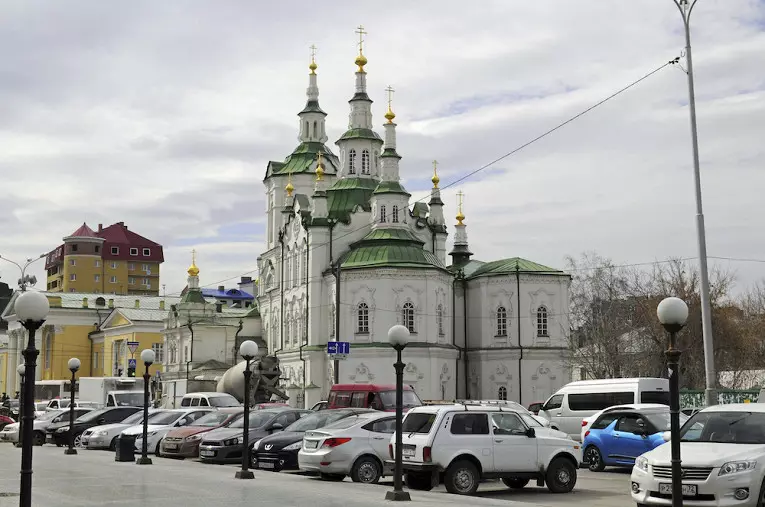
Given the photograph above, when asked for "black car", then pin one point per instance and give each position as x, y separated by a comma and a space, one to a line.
225, 445
58, 433
280, 452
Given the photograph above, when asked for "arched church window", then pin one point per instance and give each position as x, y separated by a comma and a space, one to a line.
307, 132
542, 321
440, 319
365, 162
383, 217
296, 267
395, 214
501, 321
407, 316
352, 161
315, 130
332, 320
362, 318
502, 393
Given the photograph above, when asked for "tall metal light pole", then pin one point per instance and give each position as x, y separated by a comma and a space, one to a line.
398, 336
25, 278
21, 370
673, 314
31, 309
248, 350
74, 365
710, 393
147, 356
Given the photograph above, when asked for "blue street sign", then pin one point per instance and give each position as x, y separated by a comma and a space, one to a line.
131, 363
338, 348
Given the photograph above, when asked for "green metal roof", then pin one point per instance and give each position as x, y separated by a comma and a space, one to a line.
391, 187
360, 134
420, 209
391, 234
390, 152
513, 265
303, 159
346, 194
193, 296
312, 106
392, 254
468, 269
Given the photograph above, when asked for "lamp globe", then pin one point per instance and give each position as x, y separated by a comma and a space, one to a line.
21, 370
148, 356
398, 336
73, 364
672, 312
248, 349
32, 306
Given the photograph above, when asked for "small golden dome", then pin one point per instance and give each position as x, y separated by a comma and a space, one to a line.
389, 115
460, 217
319, 172
193, 270
435, 179
313, 67
289, 188
361, 60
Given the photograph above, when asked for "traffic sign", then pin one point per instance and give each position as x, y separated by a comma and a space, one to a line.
131, 363
338, 348
133, 346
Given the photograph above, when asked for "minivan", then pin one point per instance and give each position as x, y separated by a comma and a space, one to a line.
374, 396
216, 400
571, 404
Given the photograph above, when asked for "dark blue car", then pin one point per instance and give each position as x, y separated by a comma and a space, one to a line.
617, 438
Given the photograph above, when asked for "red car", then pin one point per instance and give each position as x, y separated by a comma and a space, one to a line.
5, 420
184, 442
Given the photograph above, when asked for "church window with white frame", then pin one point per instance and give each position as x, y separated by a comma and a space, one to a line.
407, 316
542, 321
395, 214
352, 161
440, 319
365, 162
362, 318
332, 320
295, 266
502, 393
383, 217
501, 321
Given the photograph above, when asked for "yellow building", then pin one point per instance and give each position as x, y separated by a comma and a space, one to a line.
111, 260
111, 352
4, 368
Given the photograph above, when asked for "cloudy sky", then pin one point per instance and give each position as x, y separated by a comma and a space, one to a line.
164, 114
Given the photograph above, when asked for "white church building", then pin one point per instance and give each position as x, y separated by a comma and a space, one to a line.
348, 256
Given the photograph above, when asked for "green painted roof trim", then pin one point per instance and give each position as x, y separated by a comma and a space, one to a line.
303, 159
420, 209
390, 187
390, 234
361, 96
514, 265
193, 296
348, 193
392, 247
312, 106
390, 152
360, 134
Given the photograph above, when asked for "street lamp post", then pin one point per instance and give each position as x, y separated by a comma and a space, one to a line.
147, 356
673, 314
74, 365
21, 370
398, 336
710, 393
31, 309
248, 350
25, 278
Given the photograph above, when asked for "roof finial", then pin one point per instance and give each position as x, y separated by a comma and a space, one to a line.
313, 65
460, 216
289, 188
435, 179
389, 115
361, 60
319, 167
193, 269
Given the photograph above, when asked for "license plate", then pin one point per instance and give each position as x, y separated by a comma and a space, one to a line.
49, 438
207, 453
407, 451
265, 464
173, 447
688, 489
311, 444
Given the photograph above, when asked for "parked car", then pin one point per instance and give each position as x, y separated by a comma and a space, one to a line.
5, 420
161, 425
11, 432
722, 448
184, 442
356, 445
60, 403
375, 396
510, 404
58, 432
105, 436
469, 443
618, 437
212, 399
226, 445
321, 405
280, 452
90, 420
587, 421
535, 407
269, 404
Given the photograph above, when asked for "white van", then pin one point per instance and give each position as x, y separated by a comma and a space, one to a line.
574, 402
216, 400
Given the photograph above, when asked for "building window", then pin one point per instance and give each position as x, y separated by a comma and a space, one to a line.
97, 278
315, 129
407, 316
501, 321
133, 251
332, 320
73, 277
98, 264
115, 250
146, 268
131, 267
131, 280
295, 267
146, 252
186, 353
114, 265
72, 262
502, 393
98, 248
542, 321
95, 359
395, 214
352, 161
365, 162
440, 319
74, 248
363, 319
48, 350
159, 352
73, 290
113, 279
383, 217
147, 282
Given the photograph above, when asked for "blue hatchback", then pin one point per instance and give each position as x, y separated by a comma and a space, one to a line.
617, 438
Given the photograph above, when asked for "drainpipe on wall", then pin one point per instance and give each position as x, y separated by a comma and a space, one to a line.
520, 344
191, 348
454, 341
281, 294
465, 326
236, 337
307, 314
337, 317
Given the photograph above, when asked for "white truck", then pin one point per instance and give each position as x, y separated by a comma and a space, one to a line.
112, 391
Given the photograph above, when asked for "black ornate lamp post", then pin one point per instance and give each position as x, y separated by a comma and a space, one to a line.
21, 370
398, 336
248, 350
31, 310
74, 365
673, 314
147, 356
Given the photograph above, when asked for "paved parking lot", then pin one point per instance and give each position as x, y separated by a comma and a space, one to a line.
93, 478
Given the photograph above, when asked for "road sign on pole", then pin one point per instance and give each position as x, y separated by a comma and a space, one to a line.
131, 363
338, 350
132, 347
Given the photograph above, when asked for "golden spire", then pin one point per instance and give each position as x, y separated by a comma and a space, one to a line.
289, 188
390, 115
435, 179
313, 65
193, 269
361, 60
460, 216
319, 168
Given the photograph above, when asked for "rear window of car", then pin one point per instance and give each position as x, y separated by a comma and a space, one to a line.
418, 422
604, 421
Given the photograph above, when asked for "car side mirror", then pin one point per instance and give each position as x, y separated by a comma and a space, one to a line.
531, 433
666, 436
276, 427
102, 420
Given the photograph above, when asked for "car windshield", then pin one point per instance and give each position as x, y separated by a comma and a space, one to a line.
92, 416
41, 406
134, 399
47, 416
223, 401
530, 421
661, 420
136, 418
212, 420
317, 420
725, 427
163, 418
409, 399
257, 419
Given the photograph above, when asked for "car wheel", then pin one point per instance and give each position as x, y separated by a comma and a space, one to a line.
113, 444
515, 483
594, 459
761, 501
156, 451
38, 438
366, 470
561, 476
462, 478
332, 477
420, 482
78, 440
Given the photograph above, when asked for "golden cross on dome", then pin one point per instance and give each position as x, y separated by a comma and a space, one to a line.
460, 216
390, 92
193, 256
362, 33
313, 52
435, 179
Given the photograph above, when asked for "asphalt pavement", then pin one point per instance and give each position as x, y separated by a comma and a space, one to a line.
93, 478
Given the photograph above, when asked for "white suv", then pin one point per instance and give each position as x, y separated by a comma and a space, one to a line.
460, 445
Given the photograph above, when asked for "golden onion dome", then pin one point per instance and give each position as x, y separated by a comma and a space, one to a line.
389, 115
435, 179
460, 217
361, 60
319, 171
313, 67
193, 270
289, 188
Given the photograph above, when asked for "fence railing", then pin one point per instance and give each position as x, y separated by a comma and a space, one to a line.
695, 398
